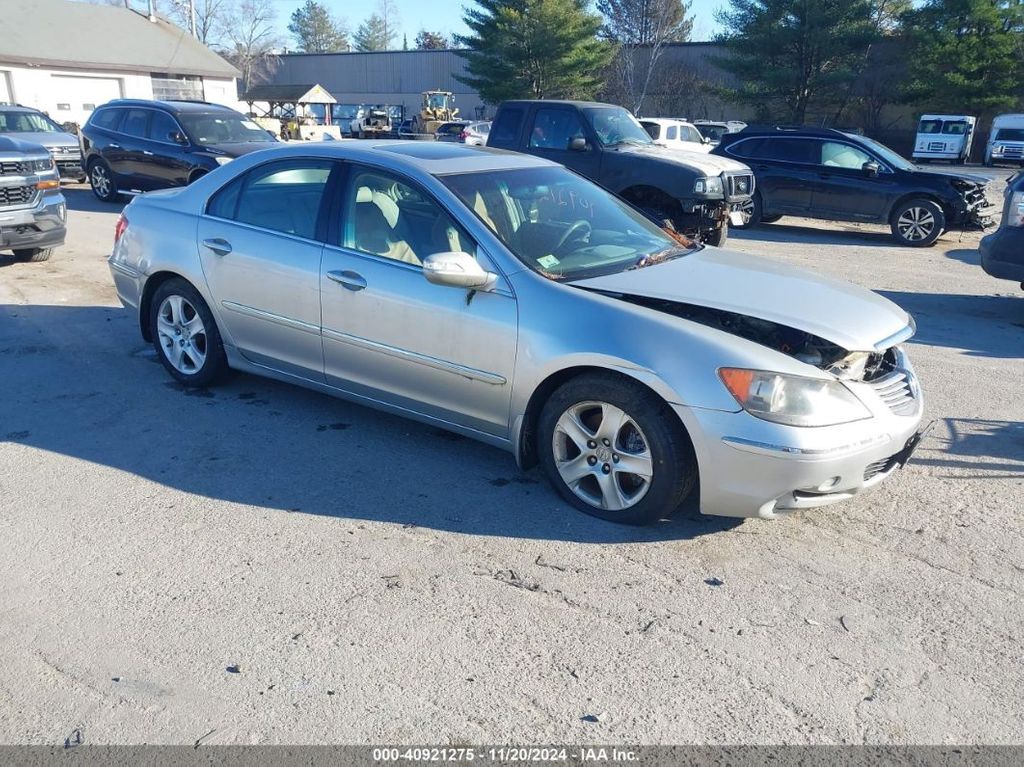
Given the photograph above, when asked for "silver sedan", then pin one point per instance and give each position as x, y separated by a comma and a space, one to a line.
505, 298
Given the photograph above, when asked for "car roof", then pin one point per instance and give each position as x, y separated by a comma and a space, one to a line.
170, 106
560, 102
18, 108
430, 157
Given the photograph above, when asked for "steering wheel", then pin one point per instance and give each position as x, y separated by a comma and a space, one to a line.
579, 230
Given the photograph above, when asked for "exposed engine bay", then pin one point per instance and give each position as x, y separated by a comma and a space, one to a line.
799, 344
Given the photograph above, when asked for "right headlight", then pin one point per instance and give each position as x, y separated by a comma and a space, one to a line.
792, 400
708, 185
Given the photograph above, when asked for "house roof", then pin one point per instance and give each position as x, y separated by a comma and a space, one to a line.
67, 35
290, 94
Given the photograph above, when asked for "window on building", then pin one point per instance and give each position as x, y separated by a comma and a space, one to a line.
177, 87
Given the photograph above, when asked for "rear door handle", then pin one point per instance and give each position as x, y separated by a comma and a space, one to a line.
218, 245
347, 279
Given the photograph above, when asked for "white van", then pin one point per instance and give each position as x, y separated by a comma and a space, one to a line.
1006, 140
944, 137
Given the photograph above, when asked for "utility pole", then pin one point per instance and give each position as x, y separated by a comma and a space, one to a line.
192, 16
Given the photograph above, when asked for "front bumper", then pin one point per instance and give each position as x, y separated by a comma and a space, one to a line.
41, 226
1002, 254
753, 468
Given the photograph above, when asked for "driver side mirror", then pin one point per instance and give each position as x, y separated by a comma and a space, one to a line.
706, 140
457, 270
577, 144
871, 168
178, 137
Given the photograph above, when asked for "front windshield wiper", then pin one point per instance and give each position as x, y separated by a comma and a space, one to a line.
630, 142
658, 258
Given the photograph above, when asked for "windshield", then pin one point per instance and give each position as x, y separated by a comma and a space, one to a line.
615, 126
27, 122
560, 224
437, 101
1010, 134
930, 126
887, 154
222, 128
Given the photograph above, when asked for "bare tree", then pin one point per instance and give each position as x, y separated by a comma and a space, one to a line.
251, 38
209, 16
390, 20
642, 28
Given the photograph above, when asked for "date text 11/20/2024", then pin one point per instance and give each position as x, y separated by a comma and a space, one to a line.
504, 754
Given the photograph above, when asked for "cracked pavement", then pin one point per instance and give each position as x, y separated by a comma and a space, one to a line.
263, 564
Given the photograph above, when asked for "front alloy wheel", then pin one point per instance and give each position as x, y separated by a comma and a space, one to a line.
614, 449
918, 223
602, 456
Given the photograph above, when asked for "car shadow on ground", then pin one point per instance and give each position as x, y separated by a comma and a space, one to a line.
81, 198
999, 443
969, 256
983, 326
813, 235
266, 444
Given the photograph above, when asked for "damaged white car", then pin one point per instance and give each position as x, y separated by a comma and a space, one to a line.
503, 297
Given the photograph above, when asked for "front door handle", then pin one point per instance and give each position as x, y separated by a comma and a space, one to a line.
114, 146
147, 152
347, 279
218, 245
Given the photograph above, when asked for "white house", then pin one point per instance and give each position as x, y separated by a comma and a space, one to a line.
67, 58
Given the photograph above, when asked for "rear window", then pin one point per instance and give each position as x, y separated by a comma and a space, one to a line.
106, 118
507, 126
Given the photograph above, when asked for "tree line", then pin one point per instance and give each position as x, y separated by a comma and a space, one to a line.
794, 61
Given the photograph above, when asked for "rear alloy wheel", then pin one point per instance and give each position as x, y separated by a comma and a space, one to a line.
33, 254
185, 335
102, 182
918, 223
612, 450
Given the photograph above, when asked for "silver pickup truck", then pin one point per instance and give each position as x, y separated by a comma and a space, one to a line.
33, 211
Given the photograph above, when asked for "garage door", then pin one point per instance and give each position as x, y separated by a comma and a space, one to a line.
5, 88
76, 97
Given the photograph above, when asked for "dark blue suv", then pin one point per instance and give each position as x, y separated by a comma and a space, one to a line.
1002, 252
132, 145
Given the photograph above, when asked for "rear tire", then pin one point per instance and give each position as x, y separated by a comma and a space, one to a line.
185, 335
33, 254
101, 179
917, 223
600, 434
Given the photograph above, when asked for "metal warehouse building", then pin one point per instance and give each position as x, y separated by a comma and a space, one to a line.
381, 77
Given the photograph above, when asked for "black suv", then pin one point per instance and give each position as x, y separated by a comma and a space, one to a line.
134, 145
1002, 252
839, 176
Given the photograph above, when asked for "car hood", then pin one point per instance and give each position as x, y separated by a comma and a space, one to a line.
237, 150
10, 144
49, 139
848, 316
708, 164
969, 178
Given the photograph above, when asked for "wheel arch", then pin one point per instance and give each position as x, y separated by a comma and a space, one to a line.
154, 281
930, 196
526, 434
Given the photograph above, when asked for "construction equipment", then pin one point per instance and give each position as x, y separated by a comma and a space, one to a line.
372, 122
438, 108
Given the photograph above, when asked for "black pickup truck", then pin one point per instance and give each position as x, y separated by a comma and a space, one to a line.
605, 143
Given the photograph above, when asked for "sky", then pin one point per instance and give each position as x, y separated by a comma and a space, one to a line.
446, 15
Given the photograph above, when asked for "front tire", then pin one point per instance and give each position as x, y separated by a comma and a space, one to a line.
101, 179
33, 254
718, 237
917, 223
185, 335
614, 450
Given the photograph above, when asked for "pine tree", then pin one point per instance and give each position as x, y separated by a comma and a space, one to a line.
316, 30
533, 49
372, 35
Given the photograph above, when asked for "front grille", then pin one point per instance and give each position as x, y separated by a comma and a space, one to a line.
740, 185
17, 195
13, 168
880, 466
1013, 152
937, 146
896, 392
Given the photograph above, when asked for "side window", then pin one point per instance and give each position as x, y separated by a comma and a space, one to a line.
386, 216
798, 150
282, 196
162, 126
749, 149
692, 134
506, 128
672, 133
836, 155
554, 129
653, 130
135, 122
107, 118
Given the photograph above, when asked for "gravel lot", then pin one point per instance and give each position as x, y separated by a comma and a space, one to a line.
262, 564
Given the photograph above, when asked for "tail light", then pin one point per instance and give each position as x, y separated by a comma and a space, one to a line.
464, 135
120, 227
1015, 216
